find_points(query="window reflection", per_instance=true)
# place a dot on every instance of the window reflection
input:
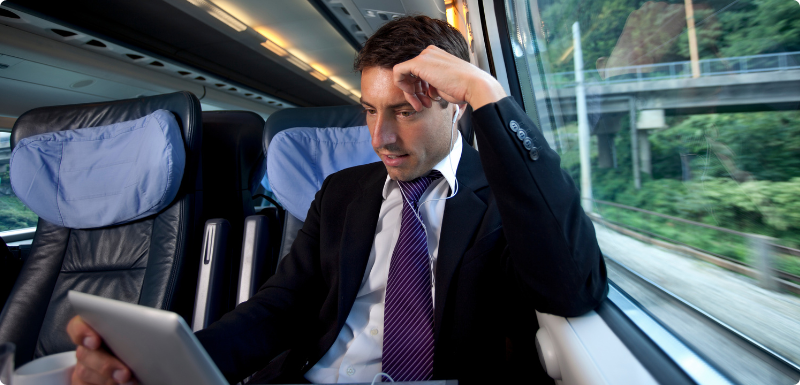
(13, 213)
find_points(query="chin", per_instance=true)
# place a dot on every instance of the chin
(400, 175)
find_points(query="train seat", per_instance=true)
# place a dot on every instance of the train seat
(303, 146)
(233, 166)
(149, 259)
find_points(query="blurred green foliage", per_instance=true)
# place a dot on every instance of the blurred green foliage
(728, 29)
(739, 171)
(745, 176)
(13, 213)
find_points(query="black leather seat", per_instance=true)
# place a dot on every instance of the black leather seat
(233, 165)
(151, 261)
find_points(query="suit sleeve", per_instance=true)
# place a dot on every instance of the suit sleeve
(258, 330)
(554, 260)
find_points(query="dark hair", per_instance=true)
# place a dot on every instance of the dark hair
(405, 38)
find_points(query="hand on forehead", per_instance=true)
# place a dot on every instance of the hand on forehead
(435, 73)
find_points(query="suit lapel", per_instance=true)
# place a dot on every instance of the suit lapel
(357, 237)
(462, 217)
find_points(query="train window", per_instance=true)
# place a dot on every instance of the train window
(13, 213)
(679, 122)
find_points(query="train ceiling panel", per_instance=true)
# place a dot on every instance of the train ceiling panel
(300, 52)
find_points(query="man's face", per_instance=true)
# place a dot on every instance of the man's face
(409, 143)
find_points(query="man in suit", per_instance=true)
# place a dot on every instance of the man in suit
(426, 264)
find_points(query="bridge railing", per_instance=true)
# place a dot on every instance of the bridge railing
(762, 248)
(680, 70)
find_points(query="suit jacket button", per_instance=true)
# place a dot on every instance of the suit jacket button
(534, 154)
(528, 143)
(521, 135)
(514, 125)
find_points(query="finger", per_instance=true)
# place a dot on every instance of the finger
(101, 362)
(433, 93)
(76, 379)
(449, 98)
(88, 376)
(413, 100)
(405, 82)
(425, 100)
(82, 334)
(422, 94)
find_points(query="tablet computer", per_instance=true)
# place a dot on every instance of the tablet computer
(156, 345)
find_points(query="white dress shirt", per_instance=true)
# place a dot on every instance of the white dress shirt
(356, 354)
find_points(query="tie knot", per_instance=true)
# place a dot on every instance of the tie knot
(413, 189)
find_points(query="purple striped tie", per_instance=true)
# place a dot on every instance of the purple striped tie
(408, 313)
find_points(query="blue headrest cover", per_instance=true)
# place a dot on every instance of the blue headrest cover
(300, 158)
(100, 176)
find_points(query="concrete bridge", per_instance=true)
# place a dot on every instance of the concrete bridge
(645, 94)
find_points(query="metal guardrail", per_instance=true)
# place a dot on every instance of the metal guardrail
(682, 70)
(709, 324)
(762, 247)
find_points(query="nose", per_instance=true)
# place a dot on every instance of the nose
(383, 131)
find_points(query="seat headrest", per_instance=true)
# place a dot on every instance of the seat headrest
(100, 176)
(305, 145)
(184, 106)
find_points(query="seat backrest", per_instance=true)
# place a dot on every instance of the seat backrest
(150, 261)
(233, 166)
(304, 146)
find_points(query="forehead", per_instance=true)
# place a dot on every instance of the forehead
(378, 89)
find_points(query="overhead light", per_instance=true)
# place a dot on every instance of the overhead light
(451, 16)
(356, 93)
(341, 81)
(274, 48)
(341, 89)
(300, 55)
(277, 39)
(319, 76)
(221, 15)
(356, 98)
(321, 69)
(299, 63)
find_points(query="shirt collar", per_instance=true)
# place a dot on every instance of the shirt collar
(448, 172)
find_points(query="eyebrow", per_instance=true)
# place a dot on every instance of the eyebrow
(398, 105)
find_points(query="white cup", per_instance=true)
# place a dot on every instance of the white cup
(54, 369)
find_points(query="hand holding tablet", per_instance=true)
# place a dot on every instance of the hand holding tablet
(157, 345)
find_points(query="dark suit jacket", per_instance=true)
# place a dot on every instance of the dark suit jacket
(513, 239)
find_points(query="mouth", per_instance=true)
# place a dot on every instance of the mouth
(394, 160)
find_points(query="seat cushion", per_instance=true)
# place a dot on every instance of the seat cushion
(100, 176)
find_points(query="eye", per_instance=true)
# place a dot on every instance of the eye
(370, 111)
(407, 114)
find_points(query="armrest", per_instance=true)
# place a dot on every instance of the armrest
(256, 257)
(208, 298)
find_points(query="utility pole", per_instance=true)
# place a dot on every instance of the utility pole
(584, 141)
(693, 55)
